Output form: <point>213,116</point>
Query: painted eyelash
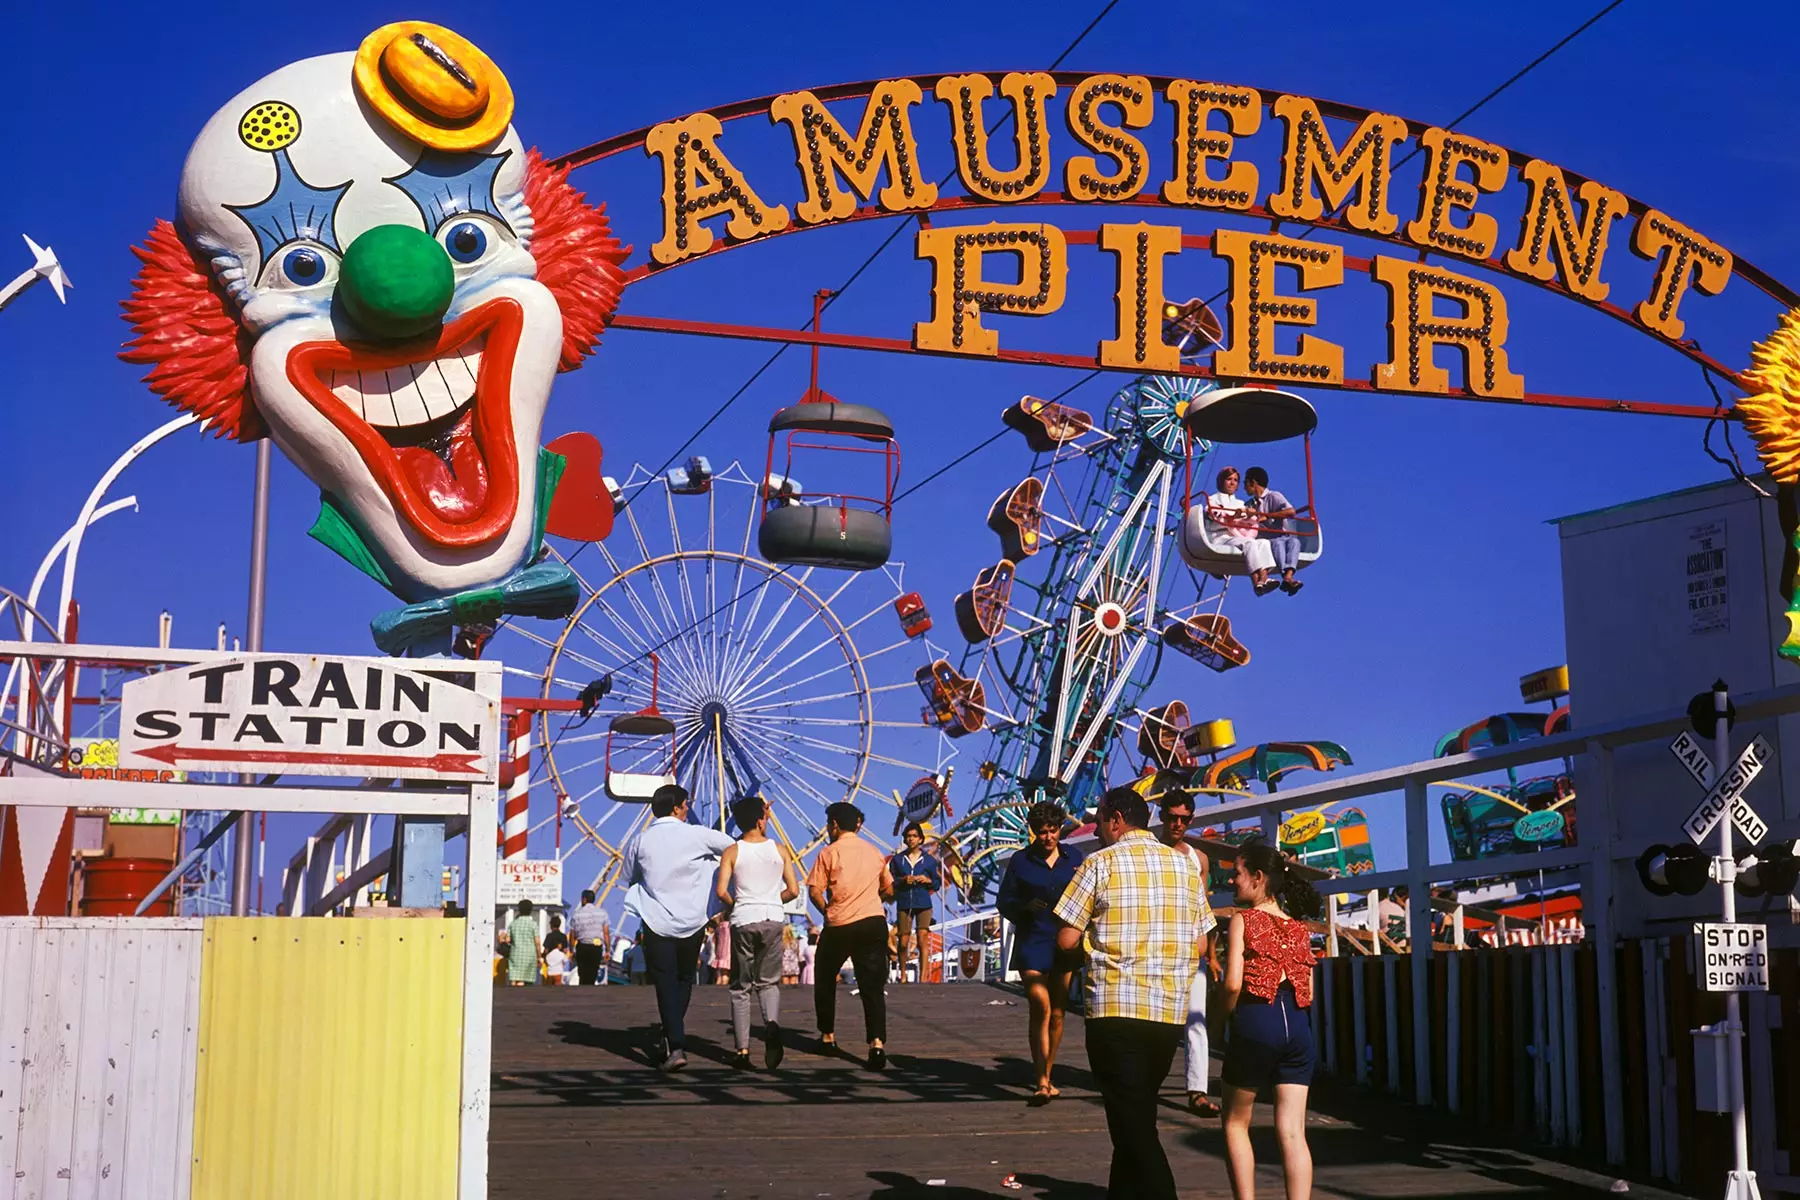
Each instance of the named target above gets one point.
<point>443,186</point>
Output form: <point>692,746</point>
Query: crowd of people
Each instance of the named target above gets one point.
<point>1132,916</point>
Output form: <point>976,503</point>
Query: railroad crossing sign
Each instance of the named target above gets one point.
<point>1735,956</point>
<point>1728,793</point>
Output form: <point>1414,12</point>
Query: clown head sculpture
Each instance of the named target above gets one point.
<point>370,269</point>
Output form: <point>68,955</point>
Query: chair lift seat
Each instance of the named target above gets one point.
<point>635,787</point>
<point>825,535</point>
<point>1208,640</point>
<point>642,724</point>
<point>830,416</point>
<point>1245,415</point>
<point>1203,545</point>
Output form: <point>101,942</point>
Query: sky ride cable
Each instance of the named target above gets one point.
<point>898,229</point>
<point>1474,108</point>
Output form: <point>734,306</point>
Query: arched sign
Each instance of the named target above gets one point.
<point>1439,286</point>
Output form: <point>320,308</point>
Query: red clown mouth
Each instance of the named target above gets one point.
<point>432,420</point>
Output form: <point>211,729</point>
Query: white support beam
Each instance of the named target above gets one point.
<point>1418,907</point>
<point>53,792</point>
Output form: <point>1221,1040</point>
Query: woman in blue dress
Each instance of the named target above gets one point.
<point>1034,881</point>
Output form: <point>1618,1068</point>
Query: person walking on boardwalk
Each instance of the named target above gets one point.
<point>522,952</point>
<point>669,867</point>
<point>917,876</point>
<point>1265,997</point>
<point>849,883</point>
<point>1138,905</point>
<point>592,934</point>
<point>1178,814</point>
<point>1035,878</point>
<point>756,878</point>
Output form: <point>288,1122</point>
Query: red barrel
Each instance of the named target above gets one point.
<point>113,887</point>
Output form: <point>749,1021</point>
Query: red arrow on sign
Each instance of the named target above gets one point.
<point>462,763</point>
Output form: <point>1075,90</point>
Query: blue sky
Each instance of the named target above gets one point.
<point>1440,586</point>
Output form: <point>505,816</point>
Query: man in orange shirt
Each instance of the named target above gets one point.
<point>849,883</point>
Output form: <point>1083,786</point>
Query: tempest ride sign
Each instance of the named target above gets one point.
<point>310,715</point>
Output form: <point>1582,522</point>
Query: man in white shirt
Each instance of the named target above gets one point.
<point>670,868</point>
<point>1237,526</point>
<point>1178,816</point>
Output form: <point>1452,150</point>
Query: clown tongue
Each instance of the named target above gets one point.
<point>447,468</point>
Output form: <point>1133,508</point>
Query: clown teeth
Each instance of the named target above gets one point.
<point>414,394</point>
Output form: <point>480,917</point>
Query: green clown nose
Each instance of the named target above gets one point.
<point>396,281</point>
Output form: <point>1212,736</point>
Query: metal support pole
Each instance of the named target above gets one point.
<point>1742,1184</point>
<point>244,856</point>
<point>1595,803</point>
<point>1418,905</point>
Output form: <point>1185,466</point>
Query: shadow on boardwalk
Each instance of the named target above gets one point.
<point>579,1111</point>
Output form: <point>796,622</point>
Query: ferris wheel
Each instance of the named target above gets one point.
<point>1065,630</point>
<point>691,659</point>
<point>1098,541</point>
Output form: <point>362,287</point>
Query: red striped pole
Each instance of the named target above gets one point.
<point>516,822</point>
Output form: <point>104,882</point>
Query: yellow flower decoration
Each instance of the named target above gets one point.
<point>270,126</point>
<point>1771,410</point>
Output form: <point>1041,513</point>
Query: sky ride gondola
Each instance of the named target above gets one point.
<point>828,529</point>
<point>1245,416</point>
<point>646,728</point>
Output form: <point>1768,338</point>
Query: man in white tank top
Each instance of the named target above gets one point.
<point>756,878</point>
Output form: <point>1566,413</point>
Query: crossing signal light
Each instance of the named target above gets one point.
<point>1769,870</point>
<point>1666,870</point>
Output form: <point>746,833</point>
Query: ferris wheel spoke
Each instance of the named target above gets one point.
<point>750,661</point>
<point>675,627</point>
<point>756,661</point>
<point>833,639</point>
<point>643,639</point>
<point>839,748</point>
<point>836,635</point>
<point>781,704</point>
<point>744,704</point>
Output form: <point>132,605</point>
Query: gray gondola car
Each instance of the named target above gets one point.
<point>825,531</point>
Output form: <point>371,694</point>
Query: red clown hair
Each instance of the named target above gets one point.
<point>198,354</point>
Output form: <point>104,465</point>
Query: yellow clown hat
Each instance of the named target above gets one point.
<point>433,85</point>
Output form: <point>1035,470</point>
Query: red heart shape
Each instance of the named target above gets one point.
<point>582,509</point>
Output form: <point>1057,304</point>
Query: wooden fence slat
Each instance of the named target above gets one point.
<point>1592,1079</point>
<point>1488,1022</point>
<point>1631,1046</point>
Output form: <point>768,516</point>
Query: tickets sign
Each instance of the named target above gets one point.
<point>536,880</point>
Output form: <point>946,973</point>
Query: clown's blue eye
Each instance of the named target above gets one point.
<point>466,241</point>
<point>304,266</point>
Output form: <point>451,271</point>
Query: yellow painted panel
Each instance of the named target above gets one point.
<point>329,1058</point>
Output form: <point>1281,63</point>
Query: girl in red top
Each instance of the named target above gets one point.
<point>1264,1002</point>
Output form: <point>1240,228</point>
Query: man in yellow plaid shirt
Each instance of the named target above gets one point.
<point>1143,912</point>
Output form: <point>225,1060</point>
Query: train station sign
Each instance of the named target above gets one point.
<point>1734,956</point>
<point>310,715</point>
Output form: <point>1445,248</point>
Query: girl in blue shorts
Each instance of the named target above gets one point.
<point>1265,1001</point>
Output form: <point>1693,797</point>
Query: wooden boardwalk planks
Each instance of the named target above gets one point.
<point>578,1113</point>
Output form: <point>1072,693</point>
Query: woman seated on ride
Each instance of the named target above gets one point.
<point>1236,525</point>
<point>1264,1001</point>
<point>1035,877</point>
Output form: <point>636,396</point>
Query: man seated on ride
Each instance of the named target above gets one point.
<point>1236,524</point>
<point>1277,531</point>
